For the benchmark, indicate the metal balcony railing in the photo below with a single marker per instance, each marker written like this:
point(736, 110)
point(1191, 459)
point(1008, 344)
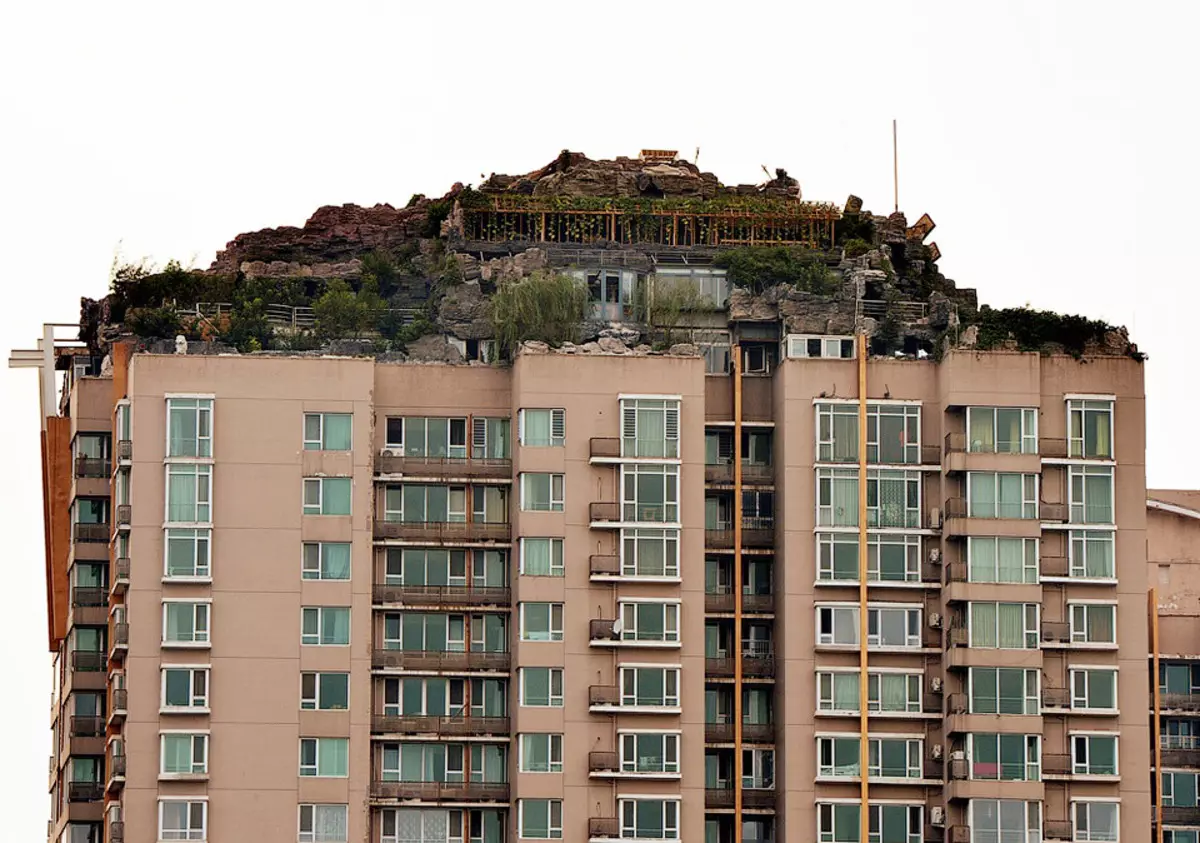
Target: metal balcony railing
point(85, 791)
point(605, 447)
point(87, 726)
point(755, 662)
point(88, 660)
point(1056, 698)
point(116, 765)
point(1058, 830)
point(1178, 815)
point(116, 832)
point(722, 600)
point(444, 531)
point(82, 596)
point(426, 660)
point(100, 532)
point(751, 732)
point(1056, 764)
point(448, 725)
point(753, 474)
point(757, 531)
point(607, 695)
point(1056, 632)
point(604, 512)
point(959, 443)
point(92, 467)
point(441, 791)
point(1177, 702)
point(600, 827)
point(120, 700)
point(604, 565)
point(603, 762)
point(752, 797)
point(483, 467)
point(466, 595)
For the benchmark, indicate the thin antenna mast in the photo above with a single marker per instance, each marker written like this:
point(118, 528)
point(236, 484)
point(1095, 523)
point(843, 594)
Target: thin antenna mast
point(895, 169)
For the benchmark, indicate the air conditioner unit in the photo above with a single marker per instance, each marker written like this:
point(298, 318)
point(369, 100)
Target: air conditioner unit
point(935, 555)
point(958, 755)
point(935, 684)
point(935, 620)
point(937, 815)
point(387, 453)
point(935, 752)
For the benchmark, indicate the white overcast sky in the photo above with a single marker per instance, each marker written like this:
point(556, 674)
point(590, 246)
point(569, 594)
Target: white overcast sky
point(1053, 143)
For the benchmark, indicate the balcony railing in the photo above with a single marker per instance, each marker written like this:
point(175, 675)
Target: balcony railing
point(121, 574)
point(925, 455)
point(120, 702)
point(124, 449)
point(753, 474)
point(751, 732)
point(82, 596)
point(1056, 698)
point(722, 797)
point(87, 726)
point(605, 566)
point(466, 595)
point(1058, 830)
point(603, 762)
point(958, 443)
point(1056, 632)
point(722, 601)
point(1177, 702)
point(116, 832)
point(441, 791)
point(116, 765)
point(485, 467)
point(607, 695)
point(120, 636)
point(957, 508)
point(757, 531)
point(85, 791)
point(604, 827)
point(124, 514)
point(444, 531)
point(755, 662)
point(1179, 815)
point(604, 512)
point(426, 660)
point(1180, 756)
point(88, 660)
point(92, 532)
point(1056, 764)
point(92, 467)
point(449, 726)
point(605, 447)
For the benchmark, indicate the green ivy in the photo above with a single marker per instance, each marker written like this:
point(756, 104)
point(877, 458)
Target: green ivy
point(759, 268)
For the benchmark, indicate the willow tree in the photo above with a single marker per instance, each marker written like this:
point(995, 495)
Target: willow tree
point(543, 306)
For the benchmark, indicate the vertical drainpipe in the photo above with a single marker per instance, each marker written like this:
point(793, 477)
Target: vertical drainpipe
point(737, 593)
point(1155, 722)
point(863, 752)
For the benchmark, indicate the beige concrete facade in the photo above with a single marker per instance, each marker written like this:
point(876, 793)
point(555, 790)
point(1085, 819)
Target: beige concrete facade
point(254, 728)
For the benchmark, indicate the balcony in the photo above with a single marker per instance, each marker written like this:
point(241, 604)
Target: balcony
point(722, 601)
point(1054, 512)
point(120, 575)
point(116, 771)
point(755, 662)
point(721, 474)
point(603, 827)
point(85, 791)
point(441, 726)
point(604, 449)
point(92, 467)
point(89, 606)
point(445, 467)
point(447, 661)
point(124, 515)
point(92, 532)
point(118, 643)
point(440, 791)
point(116, 832)
point(603, 762)
point(88, 660)
point(87, 726)
point(1058, 830)
point(757, 531)
point(1057, 764)
point(1054, 566)
point(443, 595)
point(603, 697)
point(1056, 632)
point(444, 532)
point(751, 732)
point(604, 566)
point(1177, 702)
point(1180, 751)
point(1056, 698)
point(124, 450)
point(723, 797)
point(604, 513)
point(118, 705)
point(1178, 815)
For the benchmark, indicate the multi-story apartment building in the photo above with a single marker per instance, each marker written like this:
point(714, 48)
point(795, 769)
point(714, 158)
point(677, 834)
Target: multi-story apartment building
point(764, 588)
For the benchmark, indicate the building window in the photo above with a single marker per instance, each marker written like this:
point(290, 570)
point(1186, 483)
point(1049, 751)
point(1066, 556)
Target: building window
point(649, 427)
point(1000, 495)
point(326, 495)
point(714, 348)
point(837, 497)
point(649, 553)
point(1092, 555)
point(1093, 623)
point(489, 633)
point(649, 752)
point(649, 819)
point(650, 686)
point(1004, 690)
point(324, 757)
point(837, 625)
point(184, 755)
point(325, 561)
point(418, 504)
point(542, 428)
point(417, 436)
point(327, 431)
point(325, 691)
point(1004, 626)
point(189, 493)
point(182, 820)
point(429, 825)
point(541, 621)
point(1010, 758)
point(1094, 689)
point(542, 687)
point(650, 493)
point(541, 753)
point(838, 823)
point(188, 554)
point(540, 819)
point(491, 439)
point(185, 623)
point(1002, 430)
point(1094, 755)
point(893, 693)
point(1002, 560)
point(325, 625)
point(838, 757)
point(1096, 822)
point(1005, 819)
point(650, 622)
point(899, 823)
point(893, 433)
point(894, 758)
point(894, 627)
point(542, 492)
point(435, 632)
point(1178, 678)
point(423, 762)
point(1179, 789)
point(425, 566)
point(1090, 429)
point(323, 824)
point(184, 688)
point(542, 557)
point(1091, 494)
point(189, 427)
point(834, 347)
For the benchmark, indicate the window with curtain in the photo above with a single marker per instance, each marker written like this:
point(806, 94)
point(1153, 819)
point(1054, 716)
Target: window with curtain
point(1002, 430)
point(323, 824)
point(1092, 554)
point(837, 691)
point(325, 625)
point(649, 752)
point(187, 553)
point(189, 427)
point(649, 553)
point(541, 753)
point(415, 503)
point(1002, 560)
point(542, 428)
point(837, 625)
point(838, 757)
point(1004, 757)
point(649, 686)
point(894, 758)
point(184, 754)
point(650, 492)
point(541, 621)
point(896, 823)
point(656, 622)
point(894, 627)
point(1006, 820)
point(417, 825)
point(325, 561)
point(837, 433)
point(1004, 690)
point(1090, 428)
point(1093, 623)
point(1094, 689)
point(1096, 822)
point(893, 498)
point(542, 557)
point(489, 763)
point(327, 495)
point(185, 623)
point(425, 566)
point(542, 492)
point(1007, 626)
point(1091, 494)
point(893, 692)
point(540, 819)
point(182, 820)
point(649, 427)
point(327, 431)
point(189, 493)
point(837, 497)
point(1001, 495)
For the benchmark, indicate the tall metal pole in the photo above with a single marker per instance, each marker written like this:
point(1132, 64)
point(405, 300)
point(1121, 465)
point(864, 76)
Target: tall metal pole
point(737, 594)
point(863, 741)
point(895, 169)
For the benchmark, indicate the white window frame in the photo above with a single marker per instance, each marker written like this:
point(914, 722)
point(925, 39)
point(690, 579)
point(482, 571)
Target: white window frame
point(1031, 765)
point(1080, 610)
point(1081, 744)
point(914, 690)
point(203, 405)
point(201, 629)
point(188, 833)
point(668, 436)
point(199, 746)
point(312, 835)
point(629, 610)
point(555, 700)
point(1031, 703)
point(827, 746)
point(319, 442)
point(554, 752)
point(1078, 496)
point(319, 571)
point(1086, 672)
point(556, 497)
point(320, 610)
point(555, 630)
point(557, 555)
point(832, 346)
point(826, 514)
point(670, 816)
point(558, 427)
point(315, 700)
point(198, 701)
point(670, 505)
point(1031, 614)
point(1030, 567)
point(913, 746)
point(669, 701)
point(630, 737)
point(1032, 833)
point(630, 562)
point(912, 641)
point(202, 482)
point(319, 507)
point(316, 767)
point(1029, 429)
point(1086, 836)
point(1028, 503)
point(200, 535)
point(1081, 406)
point(554, 832)
point(829, 639)
point(1077, 552)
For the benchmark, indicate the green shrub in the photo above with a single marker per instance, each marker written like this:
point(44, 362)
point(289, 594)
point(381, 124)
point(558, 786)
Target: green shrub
point(856, 248)
point(248, 327)
point(758, 268)
point(154, 322)
point(338, 313)
point(1036, 330)
point(544, 306)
